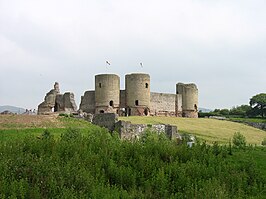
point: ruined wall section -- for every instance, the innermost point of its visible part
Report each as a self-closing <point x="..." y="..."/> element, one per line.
<point x="137" y="94"/>
<point x="189" y="94"/>
<point x="122" y="99"/>
<point x="59" y="103"/>
<point x="46" y="107"/>
<point x="65" y="103"/>
<point x="107" y="91"/>
<point x="129" y="131"/>
<point x="178" y="106"/>
<point x="69" y="102"/>
<point x="106" y="120"/>
<point x="87" y="103"/>
<point x="163" y="104"/>
<point x="122" y="111"/>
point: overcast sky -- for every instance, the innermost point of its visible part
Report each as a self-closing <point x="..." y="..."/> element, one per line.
<point x="219" y="45"/>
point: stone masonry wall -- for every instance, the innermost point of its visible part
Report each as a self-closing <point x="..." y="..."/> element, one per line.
<point x="106" y="120"/>
<point x="129" y="131"/>
<point x="163" y="104"/>
<point x="87" y="103"/>
<point x="122" y="99"/>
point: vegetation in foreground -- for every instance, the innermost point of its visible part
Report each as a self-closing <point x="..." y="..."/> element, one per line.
<point x="100" y="165"/>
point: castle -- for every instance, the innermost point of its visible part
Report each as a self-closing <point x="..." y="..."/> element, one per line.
<point x="135" y="100"/>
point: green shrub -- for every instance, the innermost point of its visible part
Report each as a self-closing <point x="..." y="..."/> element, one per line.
<point x="46" y="134"/>
<point x="263" y="143"/>
<point x="239" y="140"/>
<point x="66" y="115"/>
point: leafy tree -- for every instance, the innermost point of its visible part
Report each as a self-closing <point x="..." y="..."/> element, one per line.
<point x="258" y="103"/>
<point x="242" y="110"/>
<point x="224" y="112"/>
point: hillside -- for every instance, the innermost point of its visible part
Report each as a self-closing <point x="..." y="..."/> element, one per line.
<point x="18" y="126"/>
<point x="12" y="109"/>
<point x="206" y="129"/>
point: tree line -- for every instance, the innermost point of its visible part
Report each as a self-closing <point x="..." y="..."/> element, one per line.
<point x="256" y="108"/>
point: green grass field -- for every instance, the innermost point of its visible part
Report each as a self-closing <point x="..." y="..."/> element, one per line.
<point x="206" y="129"/>
<point x="15" y="127"/>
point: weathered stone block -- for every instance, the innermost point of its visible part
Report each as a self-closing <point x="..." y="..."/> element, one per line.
<point x="129" y="131"/>
<point x="106" y="120"/>
<point x="69" y="102"/>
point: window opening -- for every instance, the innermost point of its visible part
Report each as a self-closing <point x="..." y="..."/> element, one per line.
<point x="146" y="111"/>
<point x="111" y="103"/>
<point x="196" y="107"/>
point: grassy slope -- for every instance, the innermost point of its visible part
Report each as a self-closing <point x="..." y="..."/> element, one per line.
<point x="18" y="126"/>
<point x="207" y="129"/>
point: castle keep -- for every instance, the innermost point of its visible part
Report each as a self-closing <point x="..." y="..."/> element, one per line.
<point x="136" y="99"/>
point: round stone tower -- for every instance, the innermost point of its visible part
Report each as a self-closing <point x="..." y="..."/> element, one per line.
<point x="107" y="91"/>
<point x="189" y="94"/>
<point x="137" y="94"/>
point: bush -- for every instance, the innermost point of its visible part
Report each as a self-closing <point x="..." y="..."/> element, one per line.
<point x="263" y="143"/>
<point x="66" y="115"/>
<point x="239" y="140"/>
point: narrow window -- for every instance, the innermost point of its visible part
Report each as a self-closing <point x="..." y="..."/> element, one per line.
<point x="100" y="85"/>
<point x="147" y="85"/>
<point x="196" y="107"/>
<point x="111" y="103"/>
<point x="137" y="102"/>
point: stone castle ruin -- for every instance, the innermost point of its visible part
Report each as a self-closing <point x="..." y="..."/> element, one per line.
<point x="56" y="102"/>
<point x="135" y="100"/>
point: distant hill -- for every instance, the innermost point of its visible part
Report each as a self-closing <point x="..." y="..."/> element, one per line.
<point x="12" y="109"/>
<point x="19" y="110"/>
<point x="205" y="110"/>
